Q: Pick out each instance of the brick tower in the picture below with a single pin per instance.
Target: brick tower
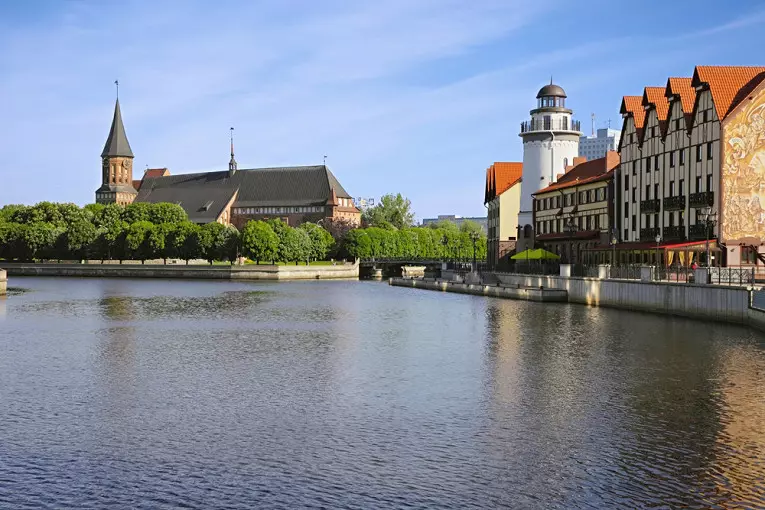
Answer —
(116, 165)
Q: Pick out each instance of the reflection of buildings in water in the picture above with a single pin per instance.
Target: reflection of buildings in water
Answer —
(3, 311)
(737, 464)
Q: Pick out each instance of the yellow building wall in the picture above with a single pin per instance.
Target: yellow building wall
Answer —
(509, 206)
(743, 172)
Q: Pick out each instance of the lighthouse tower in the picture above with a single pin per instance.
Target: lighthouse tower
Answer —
(550, 144)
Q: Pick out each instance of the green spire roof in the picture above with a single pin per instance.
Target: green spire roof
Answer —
(117, 143)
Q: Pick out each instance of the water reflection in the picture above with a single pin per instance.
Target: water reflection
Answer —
(359, 395)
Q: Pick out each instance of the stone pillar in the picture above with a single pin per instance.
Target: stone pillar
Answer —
(565, 270)
(646, 273)
(604, 271)
(3, 282)
(701, 275)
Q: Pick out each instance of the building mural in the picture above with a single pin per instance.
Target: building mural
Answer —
(743, 175)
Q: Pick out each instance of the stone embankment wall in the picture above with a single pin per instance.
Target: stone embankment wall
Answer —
(247, 272)
(713, 302)
(526, 294)
(3, 282)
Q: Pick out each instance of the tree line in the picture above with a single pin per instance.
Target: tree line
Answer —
(141, 231)
(443, 240)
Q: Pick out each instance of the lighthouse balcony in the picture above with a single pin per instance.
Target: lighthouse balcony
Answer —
(562, 124)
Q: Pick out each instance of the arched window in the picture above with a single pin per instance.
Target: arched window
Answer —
(527, 231)
(565, 164)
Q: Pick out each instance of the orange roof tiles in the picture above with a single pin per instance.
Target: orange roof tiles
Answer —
(655, 96)
(500, 177)
(634, 106)
(682, 87)
(725, 83)
(156, 172)
(587, 172)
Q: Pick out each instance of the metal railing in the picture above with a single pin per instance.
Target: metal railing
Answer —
(535, 268)
(648, 206)
(674, 203)
(676, 232)
(550, 125)
(701, 230)
(625, 272)
(702, 199)
(648, 234)
(731, 275)
(677, 274)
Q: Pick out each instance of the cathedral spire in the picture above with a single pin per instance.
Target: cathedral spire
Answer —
(232, 162)
(117, 142)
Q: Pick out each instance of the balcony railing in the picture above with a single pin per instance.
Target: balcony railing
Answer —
(550, 125)
(703, 199)
(648, 234)
(649, 206)
(677, 232)
(674, 203)
(701, 231)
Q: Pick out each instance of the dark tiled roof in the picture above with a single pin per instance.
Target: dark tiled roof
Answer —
(117, 143)
(258, 187)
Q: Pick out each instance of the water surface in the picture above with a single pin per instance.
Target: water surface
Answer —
(167, 394)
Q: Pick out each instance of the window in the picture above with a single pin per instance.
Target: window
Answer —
(748, 255)
(634, 195)
(682, 157)
(656, 166)
(648, 221)
(656, 190)
(653, 131)
(583, 197)
(709, 182)
(705, 116)
(709, 150)
(681, 218)
(656, 221)
(626, 234)
(671, 219)
(590, 197)
(682, 187)
(626, 209)
(698, 184)
(565, 164)
(587, 223)
(596, 226)
(634, 169)
(647, 191)
(647, 164)
(698, 153)
(672, 188)
(677, 124)
(634, 223)
(672, 159)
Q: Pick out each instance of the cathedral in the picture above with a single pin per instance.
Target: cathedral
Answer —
(295, 194)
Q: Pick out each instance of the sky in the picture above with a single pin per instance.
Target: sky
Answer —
(402, 96)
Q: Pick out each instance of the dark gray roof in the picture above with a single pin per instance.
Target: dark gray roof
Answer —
(551, 90)
(257, 187)
(117, 143)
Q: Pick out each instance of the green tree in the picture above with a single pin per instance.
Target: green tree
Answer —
(357, 244)
(10, 240)
(165, 212)
(321, 240)
(137, 211)
(184, 241)
(392, 209)
(37, 240)
(157, 240)
(77, 239)
(408, 243)
(259, 241)
(212, 240)
(231, 243)
(295, 246)
(137, 243)
(11, 212)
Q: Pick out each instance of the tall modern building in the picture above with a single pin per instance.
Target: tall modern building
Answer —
(598, 145)
(550, 144)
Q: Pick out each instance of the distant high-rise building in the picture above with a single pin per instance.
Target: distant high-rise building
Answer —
(594, 147)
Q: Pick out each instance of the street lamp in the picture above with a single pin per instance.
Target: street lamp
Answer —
(658, 257)
(445, 242)
(614, 240)
(570, 228)
(474, 236)
(707, 213)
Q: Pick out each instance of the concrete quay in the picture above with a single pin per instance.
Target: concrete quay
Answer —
(204, 272)
(516, 292)
(3, 282)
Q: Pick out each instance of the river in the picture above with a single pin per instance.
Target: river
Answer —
(196, 394)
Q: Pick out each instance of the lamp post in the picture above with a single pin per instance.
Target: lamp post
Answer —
(658, 257)
(474, 236)
(614, 240)
(445, 242)
(707, 213)
(570, 229)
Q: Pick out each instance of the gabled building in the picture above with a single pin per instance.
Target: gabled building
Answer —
(294, 194)
(672, 152)
(502, 198)
(576, 213)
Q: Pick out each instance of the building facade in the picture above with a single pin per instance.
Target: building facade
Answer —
(550, 144)
(576, 214)
(672, 152)
(294, 194)
(596, 146)
(502, 198)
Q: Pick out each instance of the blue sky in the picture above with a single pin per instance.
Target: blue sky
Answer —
(410, 96)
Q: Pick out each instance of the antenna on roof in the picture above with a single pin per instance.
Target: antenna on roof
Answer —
(117, 84)
(325, 160)
(592, 117)
(609, 123)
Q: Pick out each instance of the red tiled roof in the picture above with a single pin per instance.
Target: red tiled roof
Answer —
(600, 169)
(500, 177)
(725, 84)
(655, 96)
(681, 87)
(137, 184)
(156, 172)
(634, 106)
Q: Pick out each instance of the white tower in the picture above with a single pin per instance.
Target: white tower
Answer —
(550, 144)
